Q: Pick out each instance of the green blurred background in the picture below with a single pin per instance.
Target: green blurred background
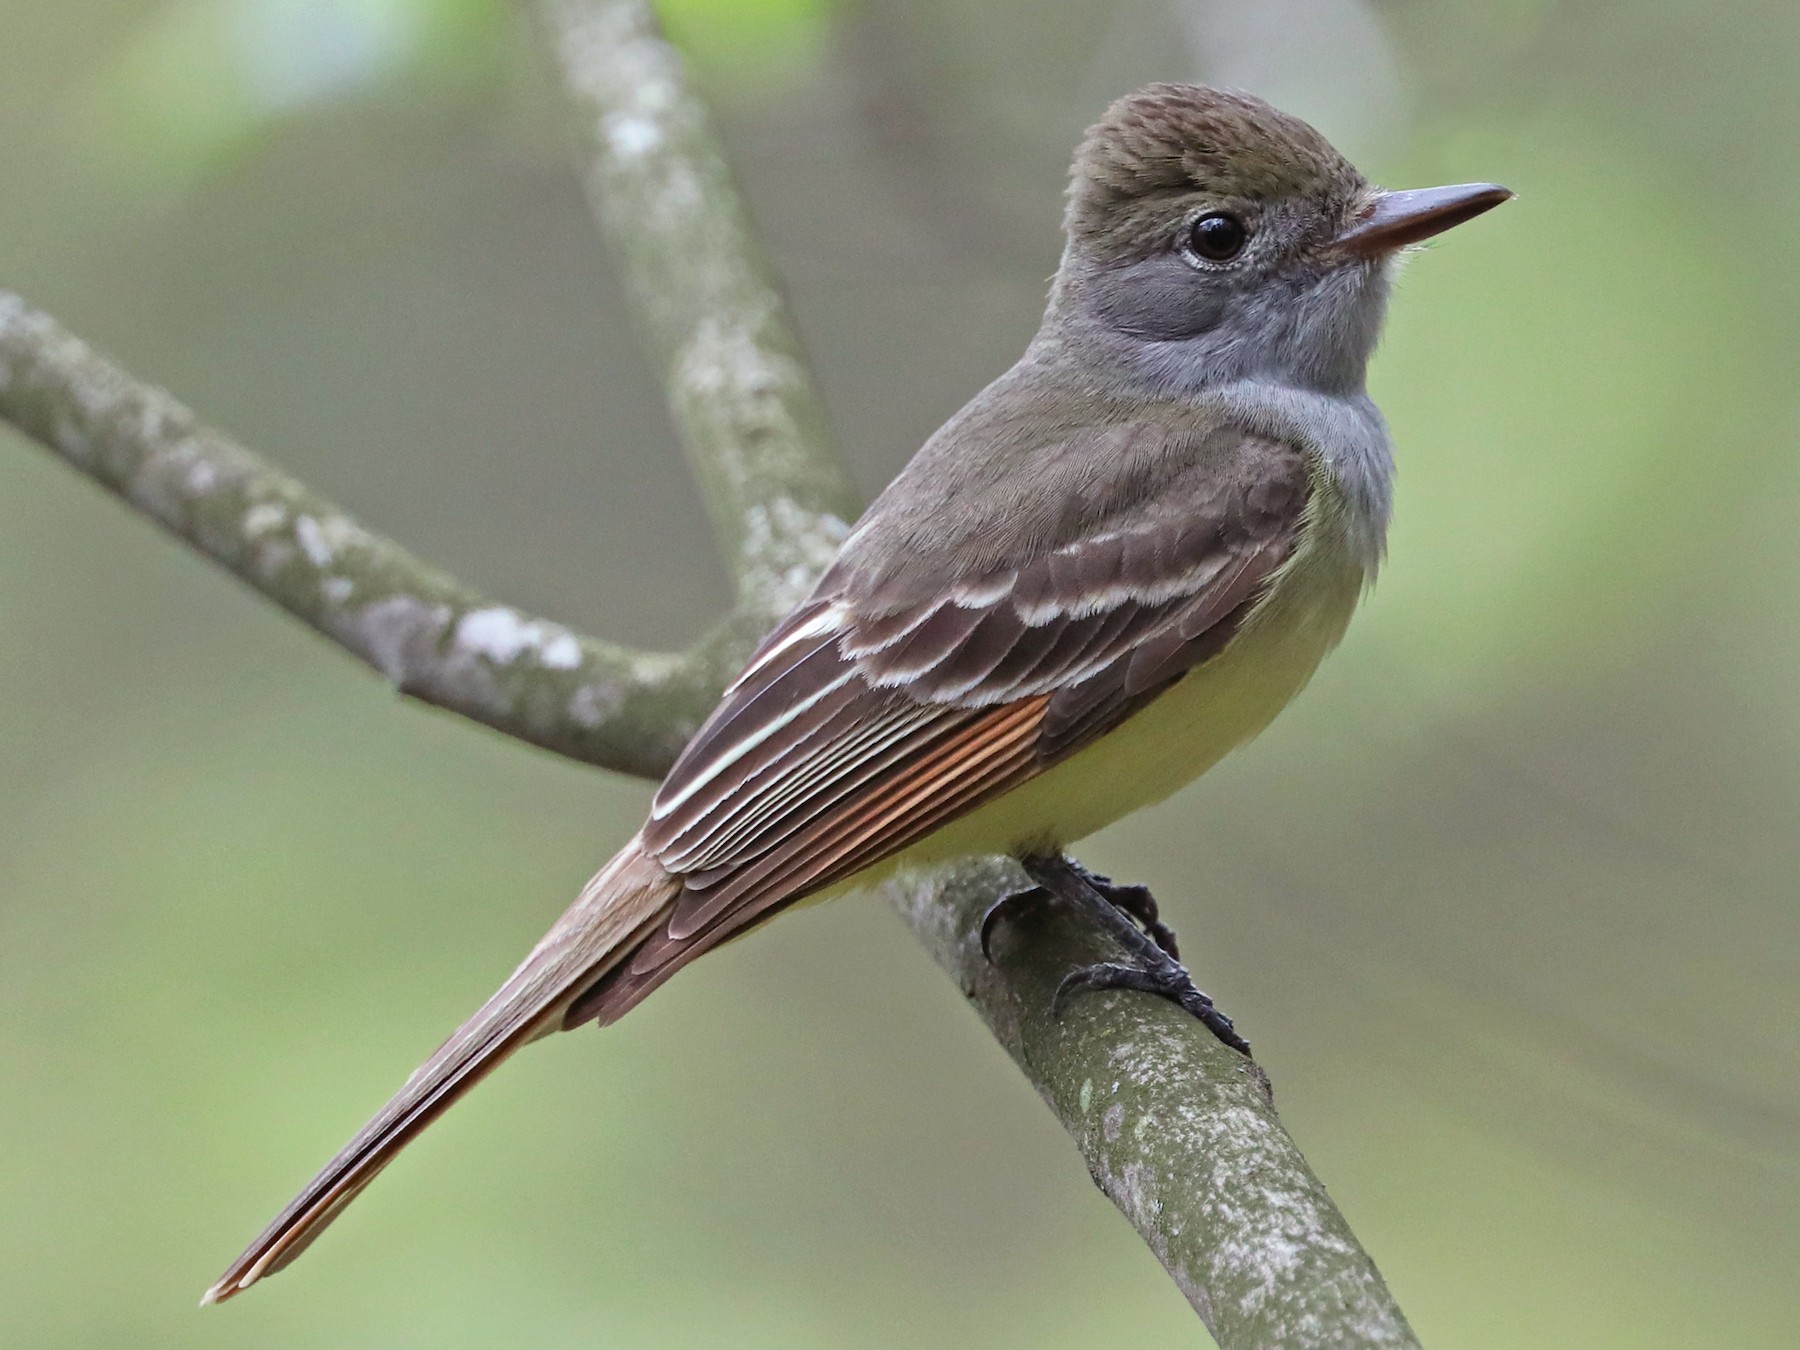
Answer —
(1507, 901)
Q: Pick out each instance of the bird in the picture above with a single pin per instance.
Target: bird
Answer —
(1117, 563)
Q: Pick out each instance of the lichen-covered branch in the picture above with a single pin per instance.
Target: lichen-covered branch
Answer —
(432, 637)
(1178, 1131)
(738, 387)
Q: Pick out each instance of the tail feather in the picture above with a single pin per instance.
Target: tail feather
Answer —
(613, 913)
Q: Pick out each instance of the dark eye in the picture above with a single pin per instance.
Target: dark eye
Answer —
(1217, 237)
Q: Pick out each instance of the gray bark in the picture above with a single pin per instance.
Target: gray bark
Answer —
(1178, 1131)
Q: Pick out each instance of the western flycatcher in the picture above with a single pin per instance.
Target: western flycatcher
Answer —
(1117, 563)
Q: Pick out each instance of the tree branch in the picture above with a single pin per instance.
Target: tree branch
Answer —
(432, 637)
(740, 392)
(1178, 1131)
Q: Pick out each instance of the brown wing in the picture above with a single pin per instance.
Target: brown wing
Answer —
(884, 707)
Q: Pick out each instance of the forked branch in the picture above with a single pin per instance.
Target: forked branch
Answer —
(1178, 1131)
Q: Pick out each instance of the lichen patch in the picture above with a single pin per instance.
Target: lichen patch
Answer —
(630, 135)
(502, 635)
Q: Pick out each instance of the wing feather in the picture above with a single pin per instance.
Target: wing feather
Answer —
(852, 749)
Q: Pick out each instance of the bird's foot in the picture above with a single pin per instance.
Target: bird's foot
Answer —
(1129, 914)
(1137, 901)
(1166, 979)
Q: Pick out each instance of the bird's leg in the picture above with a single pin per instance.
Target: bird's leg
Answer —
(1153, 968)
(1137, 901)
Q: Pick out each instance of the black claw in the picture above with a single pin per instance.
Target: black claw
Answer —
(1090, 979)
(1010, 903)
(1170, 982)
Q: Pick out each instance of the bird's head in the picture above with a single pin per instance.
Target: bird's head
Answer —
(1232, 240)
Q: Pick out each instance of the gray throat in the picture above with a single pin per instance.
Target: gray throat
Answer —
(1348, 435)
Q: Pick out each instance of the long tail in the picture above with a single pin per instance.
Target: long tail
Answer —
(613, 913)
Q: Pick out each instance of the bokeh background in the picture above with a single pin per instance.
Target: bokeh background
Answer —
(1507, 901)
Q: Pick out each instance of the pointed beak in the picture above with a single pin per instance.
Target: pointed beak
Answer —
(1397, 219)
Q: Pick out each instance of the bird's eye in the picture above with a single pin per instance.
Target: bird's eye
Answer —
(1217, 237)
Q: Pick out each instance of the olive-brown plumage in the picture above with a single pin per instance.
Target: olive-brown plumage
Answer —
(1118, 562)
